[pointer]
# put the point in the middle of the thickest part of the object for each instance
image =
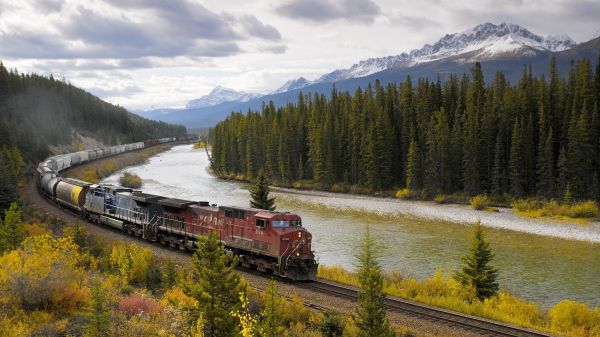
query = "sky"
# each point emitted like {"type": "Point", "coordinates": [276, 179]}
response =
{"type": "Point", "coordinates": [162, 53]}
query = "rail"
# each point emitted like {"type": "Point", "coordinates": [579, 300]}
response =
{"type": "Point", "coordinates": [469, 322]}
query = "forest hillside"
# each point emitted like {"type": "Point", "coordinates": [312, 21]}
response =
{"type": "Point", "coordinates": [38, 111]}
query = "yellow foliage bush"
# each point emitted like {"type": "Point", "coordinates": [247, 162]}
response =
{"type": "Point", "coordinates": [480, 202]}
{"type": "Point", "coordinates": [538, 208]}
{"type": "Point", "coordinates": [440, 199]}
{"type": "Point", "coordinates": [514, 310]}
{"type": "Point", "coordinates": [337, 273]}
{"type": "Point", "coordinates": [175, 297]}
{"type": "Point", "coordinates": [90, 174]}
{"type": "Point", "coordinates": [404, 193]}
{"type": "Point", "coordinates": [14, 327]}
{"type": "Point", "coordinates": [574, 319]}
{"type": "Point", "coordinates": [44, 273]}
{"type": "Point", "coordinates": [130, 180]}
{"type": "Point", "coordinates": [131, 262]}
{"type": "Point", "coordinates": [32, 229]}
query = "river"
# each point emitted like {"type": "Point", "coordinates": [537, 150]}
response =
{"type": "Point", "coordinates": [543, 268]}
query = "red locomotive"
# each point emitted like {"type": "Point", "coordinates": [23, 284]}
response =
{"type": "Point", "coordinates": [268, 241]}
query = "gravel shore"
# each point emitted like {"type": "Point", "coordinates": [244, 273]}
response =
{"type": "Point", "coordinates": [505, 218]}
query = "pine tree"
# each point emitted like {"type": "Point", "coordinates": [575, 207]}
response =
{"type": "Point", "coordinates": [477, 270]}
{"type": "Point", "coordinates": [8, 187]}
{"type": "Point", "coordinates": [370, 312]}
{"type": "Point", "coordinates": [545, 167]}
{"type": "Point", "coordinates": [170, 274]}
{"type": "Point", "coordinates": [11, 229]}
{"type": "Point", "coordinates": [500, 176]}
{"type": "Point", "coordinates": [272, 316]}
{"type": "Point", "coordinates": [260, 193]}
{"type": "Point", "coordinates": [413, 168]}
{"type": "Point", "coordinates": [579, 156]}
{"type": "Point", "coordinates": [216, 287]}
{"type": "Point", "coordinates": [98, 316]}
{"type": "Point", "coordinates": [515, 163]}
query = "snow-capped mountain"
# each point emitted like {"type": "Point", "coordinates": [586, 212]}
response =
{"type": "Point", "coordinates": [483, 42]}
{"type": "Point", "coordinates": [293, 84]}
{"type": "Point", "coordinates": [220, 95]}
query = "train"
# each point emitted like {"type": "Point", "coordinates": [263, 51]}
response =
{"type": "Point", "coordinates": [268, 241]}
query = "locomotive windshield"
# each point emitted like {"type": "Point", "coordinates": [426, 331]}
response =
{"type": "Point", "coordinates": [286, 223]}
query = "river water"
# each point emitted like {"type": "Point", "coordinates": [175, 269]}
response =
{"type": "Point", "coordinates": [543, 268]}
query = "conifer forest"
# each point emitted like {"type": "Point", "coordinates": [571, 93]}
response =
{"type": "Point", "coordinates": [537, 137]}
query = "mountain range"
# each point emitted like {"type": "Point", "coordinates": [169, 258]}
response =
{"type": "Point", "coordinates": [505, 47]}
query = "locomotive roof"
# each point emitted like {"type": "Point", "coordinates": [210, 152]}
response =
{"type": "Point", "coordinates": [269, 215]}
{"type": "Point", "coordinates": [176, 203]}
{"type": "Point", "coordinates": [247, 209]}
{"type": "Point", "coordinates": [145, 197]}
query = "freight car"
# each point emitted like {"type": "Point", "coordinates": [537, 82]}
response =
{"type": "Point", "coordinates": [273, 242]}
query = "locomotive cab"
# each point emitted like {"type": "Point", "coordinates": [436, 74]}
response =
{"type": "Point", "coordinates": [296, 258]}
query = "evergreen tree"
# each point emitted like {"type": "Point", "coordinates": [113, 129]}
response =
{"type": "Point", "coordinates": [272, 316]}
{"type": "Point", "coordinates": [563, 173]}
{"type": "Point", "coordinates": [500, 175]}
{"type": "Point", "coordinates": [260, 193]}
{"type": "Point", "coordinates": [579, 156]}
{"type": "Point", "coordinates": [545, 166]}
{"type": "Point", "coordinates": [216, 287]}
{"type": "Point", "coordinates": [11, 229]}
{"type": "Point", "coordinates": [515, 164]}
{"type": "Point", "coordinates": [170, 274]}
{"type": "Point", "coordinates": [8, 187]}
{"type": "Point", "coordinates": [370, 313]}
{"type": "Point", "coordinates": [331, 325]}
{"type": "Point", "coordinates": [477, 270]}
{"type": "Point", "coordinates": [413, 167]}
{"type": "Point", "coordinates": [98, 316]}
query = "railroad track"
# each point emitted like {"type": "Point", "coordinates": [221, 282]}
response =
{"type": "Point", "coordinates": [473, 323]}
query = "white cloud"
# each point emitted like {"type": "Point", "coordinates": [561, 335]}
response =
{"type": "Point", "coordinates": [154, 53]}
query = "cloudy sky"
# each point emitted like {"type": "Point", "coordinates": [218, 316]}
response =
{"type": "Point", "coordinates": [156, 54]}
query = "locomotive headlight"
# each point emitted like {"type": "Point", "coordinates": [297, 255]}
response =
{"type": "Point", "coordinates": [299, 234]}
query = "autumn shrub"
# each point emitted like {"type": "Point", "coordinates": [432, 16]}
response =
{"type": "Point", "coordinates": [532, 207]}
{"type": "Point", "coordinates": [136, 304]}
{"type": "Point", "coordinates": [337, 273]}
{"type": "Point", "coordinates": [440, 199]}
{"type": "Point", "coordinates": [511, 309]}
{"type": "Point", "coordinates": [480, 202]}
{"type": "Point", "coordinates": [404, 193]}
{"type": "Point", "coordinates": [175, 297]}
{"type": "Point", "coordinates": [130, 180]}
{"type": "Point", "coordinates": [131, 262]}
{"type": "Point", "coordinates": [585, 209]}
{"type": "Point", "coordinates": [44, 273]}
{"type": "Point", "coordinates": [575, 319]}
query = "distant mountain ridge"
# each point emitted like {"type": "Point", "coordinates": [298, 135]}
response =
{"type": "Point", "coordinates": [220, 95]}
{"type": "Point", "coordinates": [503, 47]}
{"type": "Point", "coordinates": [490, 40]}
